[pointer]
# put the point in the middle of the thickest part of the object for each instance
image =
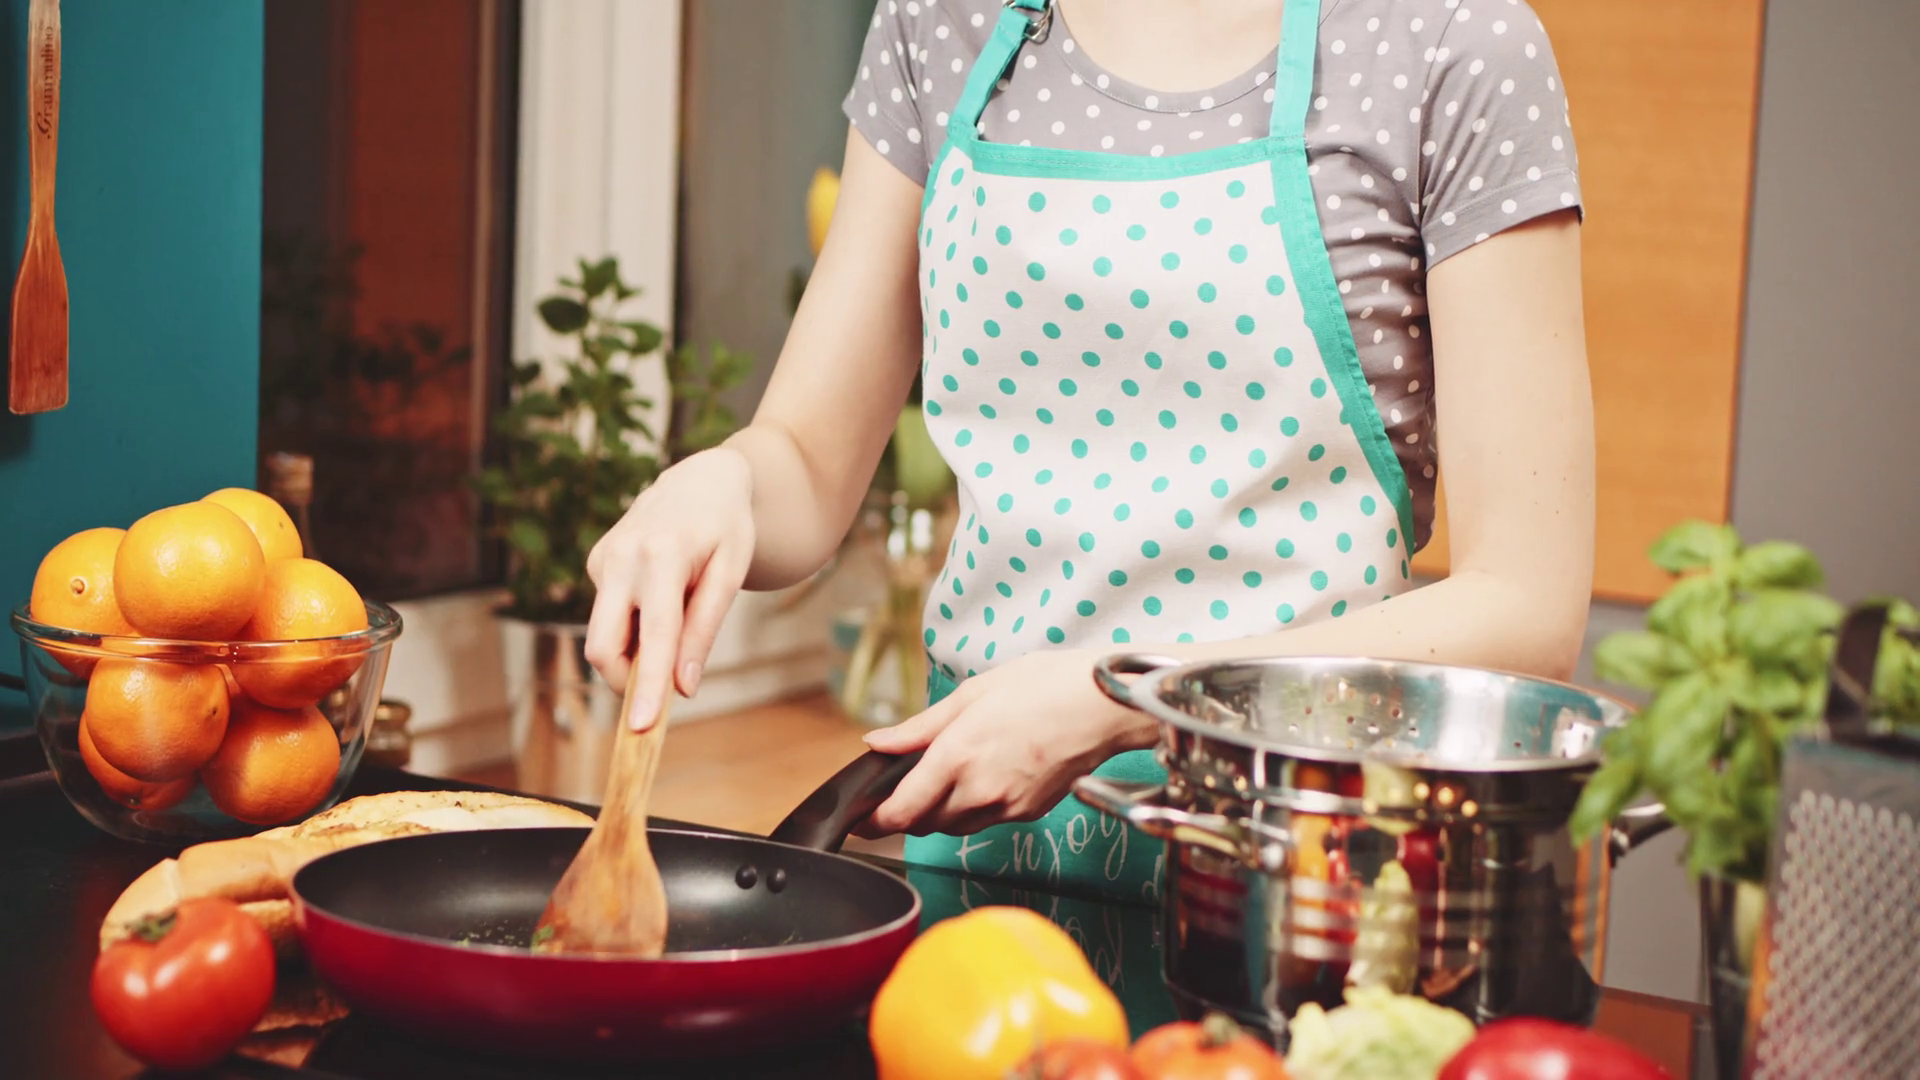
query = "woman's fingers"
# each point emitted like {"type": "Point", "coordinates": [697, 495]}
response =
{"type": "Point", "coordinates": [921, 792]}
{"type": "Point", "coordinates": [610, 626]}
{"type": "Point", "coordinates": [713, 594]}
{"type": "Point", "coordinates": [918, 732]}
{"type": "Point", "coordinates": [663, 595]}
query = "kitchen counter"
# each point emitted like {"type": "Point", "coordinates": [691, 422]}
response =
{"type": "Point", "coordinates": [59, 874]}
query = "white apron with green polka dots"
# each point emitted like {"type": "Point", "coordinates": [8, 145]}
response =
{"type": "Point", "coordinates": [1142, 374]}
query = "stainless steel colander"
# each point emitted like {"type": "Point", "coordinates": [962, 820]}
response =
{"type": "Point", "coordinates": [1347, 821]}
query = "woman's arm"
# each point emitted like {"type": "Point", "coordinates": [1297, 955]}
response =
{"type": "Point", "coordinates": [769, 506]}
{"type": "Point", "coordinates": [1516, 453]}
{"type": "Point", "coordinates": [1516, 418]}
{"type": "Point", "coordinates": [849, 359]}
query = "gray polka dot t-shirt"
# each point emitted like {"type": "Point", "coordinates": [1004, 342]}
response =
{"type": "Point", "coordinates": [1435, 124]}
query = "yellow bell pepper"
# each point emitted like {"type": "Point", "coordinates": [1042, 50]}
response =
{"type": "Point", "coordinates": [974, 995]}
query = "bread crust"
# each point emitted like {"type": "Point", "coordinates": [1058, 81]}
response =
{"type": "Point", "coordinates": [254, 871]}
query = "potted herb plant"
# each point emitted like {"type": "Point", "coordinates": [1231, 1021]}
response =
{"type": "Point", "coordinates": [576, 446]}
{"type": "Point", "coordinates": [1736, 655]}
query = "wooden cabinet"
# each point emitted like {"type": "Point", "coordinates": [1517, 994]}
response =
{"type": "Point", "coordinates": [1663, 97]}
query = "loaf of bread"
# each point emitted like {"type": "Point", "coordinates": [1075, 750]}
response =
{"type": "Point", "coordinates": [254, 871]}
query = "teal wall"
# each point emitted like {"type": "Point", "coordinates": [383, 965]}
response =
{"type": "Point", "coordinates": [159, 224]}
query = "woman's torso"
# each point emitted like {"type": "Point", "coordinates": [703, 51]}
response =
{"type": "Point", "coordinates": [1433, 124]}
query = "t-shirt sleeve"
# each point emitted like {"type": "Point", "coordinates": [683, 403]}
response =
{"type": "Point", "coordinates": [1496, 144]}
{"type": "Point", "coordinates": [884, 104]}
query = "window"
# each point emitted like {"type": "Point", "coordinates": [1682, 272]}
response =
{"type": "Point", "coordinates": [387, 274]}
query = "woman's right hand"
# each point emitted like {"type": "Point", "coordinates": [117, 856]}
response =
{"type": "Point", "coordinates": [677, 558]}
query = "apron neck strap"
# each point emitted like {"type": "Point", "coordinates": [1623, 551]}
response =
{"type": "Point", "coordinates": [1024, 20]}
{"type": "Point", "coordinates": [1293, 75]}
{"type": "Point", "coordinates": [1020, 20]}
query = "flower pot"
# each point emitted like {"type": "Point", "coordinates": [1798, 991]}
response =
{"type": "Point", "coordinates": [563, 714]}
{"type": "Point", "coordinates": [1731, 913]}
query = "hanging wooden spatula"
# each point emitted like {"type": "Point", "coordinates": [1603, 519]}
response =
{"type": "Point", "coordinates": [611, 900]}
{"type": "Point", "coordinates": [37, 365]}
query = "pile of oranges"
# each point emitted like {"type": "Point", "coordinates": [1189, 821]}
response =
{"type": "Point", "coordinates": [227, 568]}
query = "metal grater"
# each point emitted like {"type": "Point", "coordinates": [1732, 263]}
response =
{"type": "Point", "coordinates": [1840, 998]}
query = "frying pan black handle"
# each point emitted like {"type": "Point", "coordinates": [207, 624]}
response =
{"type": "Point", "coordinates": [824, 818]}
{"type": "Point", "coordinates": [13, 682]}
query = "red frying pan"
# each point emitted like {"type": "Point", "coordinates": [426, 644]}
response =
{"type": "Point", "coordinates": [771, 942]}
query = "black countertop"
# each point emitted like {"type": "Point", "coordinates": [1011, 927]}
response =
{"type": "Point", "coordinates": [59, 875]}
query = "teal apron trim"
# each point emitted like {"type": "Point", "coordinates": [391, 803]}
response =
{"type": "Point", "coordinates": [996, 56]}
{"type": "Point", "coordinates": [1313, 270]}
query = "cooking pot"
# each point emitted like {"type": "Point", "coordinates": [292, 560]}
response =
{"type": "Point", "coordinates": [1335, 822]}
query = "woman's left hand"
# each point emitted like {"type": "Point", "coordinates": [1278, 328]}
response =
{"type": "Point", "coordinates": [1005, 746]}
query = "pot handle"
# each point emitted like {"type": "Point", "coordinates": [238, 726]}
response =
{"type": "Point", "coordinates": [1635, 826]}
{"type": "Point", "coordinates": [824, 818]}
{"type": "Point", "coordinates": [1108, 672]}
{"type": "Point", "coordinates": [1143, 806]}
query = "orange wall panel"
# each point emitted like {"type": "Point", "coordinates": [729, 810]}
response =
{"type": "Point", "coordinates": [1663, 98]}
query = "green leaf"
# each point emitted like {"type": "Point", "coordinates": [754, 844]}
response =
{"type": "Point", "coordinates": [527, 539]}
{"type": "Point", "coordinates": [1691, 545]}
{"type": "Point", "coordinates": [1608, 792]}
{"type": "Point", "coordinates": [1684, 723]}
{"type": "Point", "coordinates": [1716, 845]}
{"type": "Point", "coordinates": [1641, 658]}
{"type": "Point", "coordinates": [1693, 613]}
{"type": "Point", "coordinates": [563, 315]}
{"type": "Point", "coordinates": [1767, 690]}
{"type": "Point", "coordinates": [1775, 626]}
{"type": "Point", "coordinates": [1777, 564]}
{"type": "Point", "coordinates": [599, 277]}
{"type": "Point", "coordinates": [1896, 677]}
{"type": "Point", "coordinates": [646, 337]}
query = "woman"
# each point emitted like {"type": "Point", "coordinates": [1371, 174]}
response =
{"type": "Point", "coordinates": [1185, 348]}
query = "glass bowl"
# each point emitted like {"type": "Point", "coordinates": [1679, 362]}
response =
{"type": "Point", "coordinates": [165, 707]}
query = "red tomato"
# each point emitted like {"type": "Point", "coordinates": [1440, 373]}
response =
{"type": "Point", "coordinates": [1078, 1059]}
{"type": "Point", "coordinates": [1419, 854]}
{"type": "Point", "coordinates": [1214, 1049]}
{"type": "Point", "coordinates": [1527, 1049]}
{"type": "Point", "coordinates": [187, 988]}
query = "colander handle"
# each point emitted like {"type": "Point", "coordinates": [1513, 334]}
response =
{"type": "Point", "coordinates": [1110, 673]}
{"type": "Point", "coordinates": [1143, 806]}
{"type": "Point", "coordinates": [1635, 826]}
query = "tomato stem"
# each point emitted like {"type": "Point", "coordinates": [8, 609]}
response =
{"type": "Point", "coordinates": [154, 927]}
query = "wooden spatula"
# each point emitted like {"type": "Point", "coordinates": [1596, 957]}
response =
{"type": "Point", "coordinates": [37, 375]}
{"type": "Point", "coordinates": [611, 900]}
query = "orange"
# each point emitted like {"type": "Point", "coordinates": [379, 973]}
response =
{"type": "Point", "coordinates": [278, 537]}
{"type": "Point", "coordinates": [156, 721]}
{"type": "Point", "coordinates": [73, 589]}
{"type": "Point", "coordinates": [190, 571]}
{"type": "Point", "coordinates": [275, 765]}
{"type": "Point", "coordinates": [301, 599]}
{"type": "Point", "coordinates": [124, 789]}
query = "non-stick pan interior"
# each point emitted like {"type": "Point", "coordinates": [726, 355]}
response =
{"type": "Point", "coordinates": [489, 887]}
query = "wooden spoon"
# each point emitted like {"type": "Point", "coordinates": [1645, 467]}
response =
{"type": "Point", "coordinates": [611, 900]}
{"type": "Point", "coordinates": [37, 376]}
